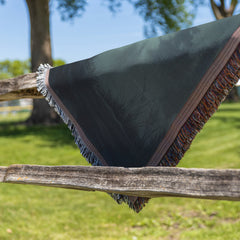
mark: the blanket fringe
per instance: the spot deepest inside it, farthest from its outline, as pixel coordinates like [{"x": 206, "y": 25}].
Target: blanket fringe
[
  {"x": 137, "y": 205},
  {"x": 208, "y": 105},
  {"x": 86, "y": 153},
  {"x": 217, "y": 92},
  {"x": 42, "y": 88}
]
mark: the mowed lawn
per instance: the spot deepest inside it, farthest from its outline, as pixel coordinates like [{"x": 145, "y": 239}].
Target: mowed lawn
[{"x": 34, "y": 212}]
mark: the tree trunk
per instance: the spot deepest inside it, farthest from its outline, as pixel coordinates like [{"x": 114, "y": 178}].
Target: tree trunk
[{"x": 40, "y": 53}]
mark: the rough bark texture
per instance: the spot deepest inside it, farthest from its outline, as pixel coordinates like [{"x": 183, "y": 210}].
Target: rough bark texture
[
  {"x": 145, "y": 182},
  {"x": 220, "y": 11},
  {"x": 40, "y": 53}
]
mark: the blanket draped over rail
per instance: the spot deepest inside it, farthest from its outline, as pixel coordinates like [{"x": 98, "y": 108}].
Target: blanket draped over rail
[{"x": 142, "y": 104}]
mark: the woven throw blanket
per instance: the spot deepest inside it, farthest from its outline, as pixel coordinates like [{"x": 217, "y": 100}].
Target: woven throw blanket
[{"x": 142, "y": 104}]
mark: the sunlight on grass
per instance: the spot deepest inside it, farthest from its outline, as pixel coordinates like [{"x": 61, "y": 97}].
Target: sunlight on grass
[{"x": 33, "y": 212}]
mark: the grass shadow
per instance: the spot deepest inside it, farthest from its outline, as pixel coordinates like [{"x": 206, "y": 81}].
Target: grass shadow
[
  {"x": 233, "y": 120},
  {"x": 57, "y": 135}
]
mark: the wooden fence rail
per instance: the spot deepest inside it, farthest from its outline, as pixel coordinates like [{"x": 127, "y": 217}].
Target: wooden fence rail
[
  {"x": 146, "y": 182},
  {"x": 24, "y": 86}
]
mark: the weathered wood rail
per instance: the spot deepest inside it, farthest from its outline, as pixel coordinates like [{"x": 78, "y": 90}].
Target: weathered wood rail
[
  {"x": 24, "y": 86},
  {"x": 147, "y": 182}
]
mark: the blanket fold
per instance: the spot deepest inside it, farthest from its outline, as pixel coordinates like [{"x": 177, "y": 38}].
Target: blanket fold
[{"x": 142, "y": 104}]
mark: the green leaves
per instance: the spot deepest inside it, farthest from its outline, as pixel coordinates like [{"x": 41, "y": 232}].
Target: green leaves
[
  {"x": 58, "y": 62},
  {"x": 165, "y": 15},
  {"x": 71, "y": 8},
  {"x": 14, "y": 68},
  {"x": 9, "y": 69}
]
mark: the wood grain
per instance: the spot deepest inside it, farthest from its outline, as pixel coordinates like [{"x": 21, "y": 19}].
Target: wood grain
[
  {"x": 146, "y": 182},
  {"x": 24, "y": 86}
]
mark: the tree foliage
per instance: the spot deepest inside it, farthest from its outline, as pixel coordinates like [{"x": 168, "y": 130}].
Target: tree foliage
[
  {"x": 164, "y": 15},
  {"x": 13, "y": 68},
  {"x": 70, "y": 9},
  {"x": 9, "y": 69}
]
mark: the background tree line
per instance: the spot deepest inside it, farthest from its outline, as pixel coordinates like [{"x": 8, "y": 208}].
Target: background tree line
[{"x": 13, "y": 68}]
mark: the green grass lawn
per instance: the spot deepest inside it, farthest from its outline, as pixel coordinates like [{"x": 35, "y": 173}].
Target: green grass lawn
[{"x": 34, "y": 212}]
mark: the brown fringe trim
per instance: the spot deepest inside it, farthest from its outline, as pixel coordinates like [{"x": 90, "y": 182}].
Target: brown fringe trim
[
  {"x": 137, "y": 205},
  {"x": 217, "y": 92}
]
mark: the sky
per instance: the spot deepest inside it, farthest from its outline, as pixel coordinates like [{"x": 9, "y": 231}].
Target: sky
[{"x": 96, "y": 31}]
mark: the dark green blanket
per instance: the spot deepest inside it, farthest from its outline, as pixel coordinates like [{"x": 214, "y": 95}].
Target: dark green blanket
[{"x": 143, "y": 104}]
